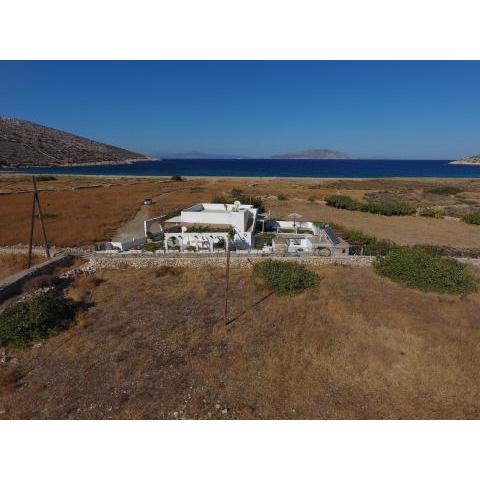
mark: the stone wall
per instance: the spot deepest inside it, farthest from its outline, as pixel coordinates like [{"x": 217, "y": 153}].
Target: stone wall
[
  {"x": 98, "y": 262},
  {"x": 13, "y": 284}
]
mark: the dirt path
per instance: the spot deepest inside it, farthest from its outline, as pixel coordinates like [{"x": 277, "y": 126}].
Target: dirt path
[{"x": 134, "y": 227}]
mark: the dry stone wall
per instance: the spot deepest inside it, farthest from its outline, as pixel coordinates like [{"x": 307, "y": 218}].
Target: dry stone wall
[{"x": 99, "y": 262}]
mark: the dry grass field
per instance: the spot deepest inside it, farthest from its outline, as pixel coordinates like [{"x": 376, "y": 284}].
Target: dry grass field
[
  {"x": 13, "y": 263},
  {"x": 153, "y": 345},
  {"x": 87, "y": 215}
]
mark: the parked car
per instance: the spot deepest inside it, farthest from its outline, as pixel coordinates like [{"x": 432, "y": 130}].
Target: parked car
[{"x": 147, "y": 201}]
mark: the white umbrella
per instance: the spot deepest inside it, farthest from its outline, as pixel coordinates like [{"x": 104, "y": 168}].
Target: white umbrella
[{"x": 295, "y": 216}]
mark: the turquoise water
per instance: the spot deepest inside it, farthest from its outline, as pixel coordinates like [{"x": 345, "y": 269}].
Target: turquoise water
[{"x": 277, "y": 168}]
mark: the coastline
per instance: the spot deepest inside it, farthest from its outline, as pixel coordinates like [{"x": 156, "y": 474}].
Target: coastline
[
  {"x": 128, "y": 161},
  {"x": 250, "y": 178}
]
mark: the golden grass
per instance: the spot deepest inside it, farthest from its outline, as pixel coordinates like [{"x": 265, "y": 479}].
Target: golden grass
[
  {"x": 14, "y": 263},
  {"x": 357, "y": 346},
  {"x": 91, "y": 215}
]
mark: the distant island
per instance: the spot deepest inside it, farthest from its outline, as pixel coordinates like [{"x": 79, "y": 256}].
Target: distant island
[
  {"x": 474, "y": 160},
  {"x": 196, "y": 155},
  {"x": 314, "y": 154},
  {"x": 28, "y": 144}
]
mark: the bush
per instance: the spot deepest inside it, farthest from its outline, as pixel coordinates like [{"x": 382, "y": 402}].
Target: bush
[
  {"x": 46, "y": 216},
  {"x": 263, "y": 239},
  {"x": 257, "y": 202},
  {"x": 285, "y": 278},
  {"x": 445, "y": 190},
  {"x": 432, "y": 212},
  {"x": 34, "y": 319},
  {"x": 152, "y": 246},
  {"x": 372, "y": 245},
  {"x": 472, "y": 218},
  {"x": 282, "y": 197},
  {"x": 177, "y": 178},
  {"x": 389, "y": 209},
  {"x": 236, "y": 192},
  {"x": 420, "y": 269},
  {"x": 343, "y": 202}
]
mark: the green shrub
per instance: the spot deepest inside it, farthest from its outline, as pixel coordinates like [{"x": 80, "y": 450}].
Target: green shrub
[
  {"x": 432, "y": 212},
  {"x": 46, "y": 215},
  {"x": 190, "y": 248},
  {"x": 34, "y": 319},
  {"x": 262, "y": 239},
  {"x": 285, "y": 278},
  {"x": 152, "y": 246},
  {"x": 343, "y": 202},
  {"x": 420, "y": 269},
  {"x": 472, "y": 218},
  {"x": 445, "y": 190},
  {"x": 282, "y": 197},
  {"x": 177, "y": 178},
  {"x": 389, "y": 209},
  {"x": 392, "y": 208},
  {"x": 257, "y": 202},
  {"x": 372, "y": 245}
]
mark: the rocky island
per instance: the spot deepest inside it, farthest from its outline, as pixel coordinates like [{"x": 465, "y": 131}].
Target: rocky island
[
  {"x": 314, "y": 154},
  {"x": 474, "y": 160}
]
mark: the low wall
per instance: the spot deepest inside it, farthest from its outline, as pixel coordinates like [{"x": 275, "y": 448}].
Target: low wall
[
  {"x": 13, "y": 284},
  {"x": 99, "y": 262}
]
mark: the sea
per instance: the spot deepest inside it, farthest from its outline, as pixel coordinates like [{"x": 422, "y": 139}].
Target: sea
[{"x": 274, "y": 168}]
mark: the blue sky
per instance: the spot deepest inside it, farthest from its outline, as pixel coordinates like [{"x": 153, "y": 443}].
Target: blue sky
[{"x": 391, "y": 109}]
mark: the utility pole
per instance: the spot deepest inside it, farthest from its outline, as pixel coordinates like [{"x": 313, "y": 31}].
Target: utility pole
[
  {"x": 36, "y": 202},
  {"x": 227, "y": 281}
]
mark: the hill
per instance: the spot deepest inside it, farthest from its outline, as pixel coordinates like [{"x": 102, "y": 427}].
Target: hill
[
  {"x": 24, "y": 143},
  {"x": 474, "y": 160},
  {"x": 315, "y": 154}
]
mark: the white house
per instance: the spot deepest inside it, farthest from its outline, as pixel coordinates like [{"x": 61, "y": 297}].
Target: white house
[
  {"x": 205, "y": 226},
  {"x": 294, "y": 237},
  {"x": 209, "y": 227}
]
